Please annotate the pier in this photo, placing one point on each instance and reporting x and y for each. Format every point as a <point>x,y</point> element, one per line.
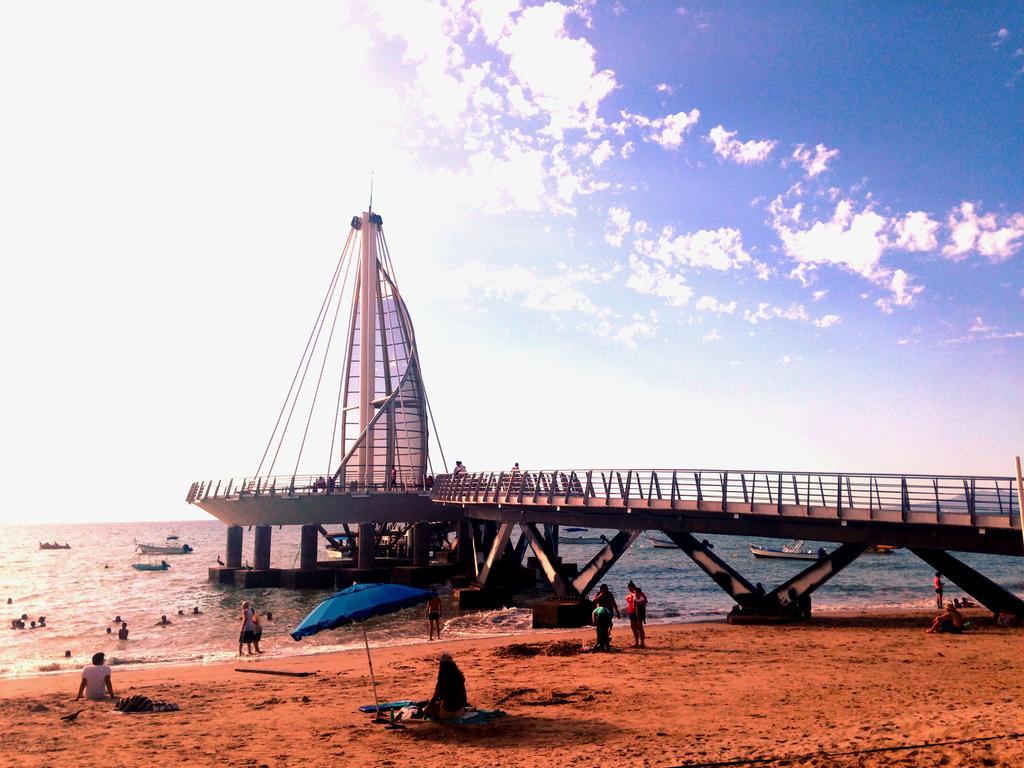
<point>493,534</point>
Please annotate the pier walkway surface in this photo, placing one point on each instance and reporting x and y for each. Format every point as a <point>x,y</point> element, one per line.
<point>967,514</point>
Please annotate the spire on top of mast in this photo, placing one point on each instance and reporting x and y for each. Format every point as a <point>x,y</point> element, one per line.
<point>371,192</point>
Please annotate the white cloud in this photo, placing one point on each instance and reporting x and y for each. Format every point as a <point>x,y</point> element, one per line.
<point>555,294</point>
<point>916,232</point>
<point>767,311</point>
<point>814,162</point>
<point>627,149</point>
<point>904,293</point>
<point>785,359</point>
<point>617,226</point>
<point>819,295</point>
<point>602,153</point>
<point>712,335</point>
<point>979,326</point>
<point>970,232</point>
<point>655,280</point>
<point>827,321</point>
<point>665,131</point>
<point>711,304</point>
<point>719,249</point>
<point>664,88</point>
<point>742,152</point>
<point>638,328</point>
<point>557,70</point>
<point>852,240</point>
<point>1000,37</point>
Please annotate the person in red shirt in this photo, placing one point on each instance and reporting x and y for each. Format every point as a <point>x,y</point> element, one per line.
<point>636,611</point>
<point>938,590</point>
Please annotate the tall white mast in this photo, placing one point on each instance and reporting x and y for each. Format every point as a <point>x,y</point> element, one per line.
<point>369,285</point>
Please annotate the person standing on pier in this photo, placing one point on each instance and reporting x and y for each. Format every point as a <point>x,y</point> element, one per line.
<point>938,590</point>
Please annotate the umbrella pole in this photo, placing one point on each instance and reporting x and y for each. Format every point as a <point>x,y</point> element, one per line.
<point>369,660</point>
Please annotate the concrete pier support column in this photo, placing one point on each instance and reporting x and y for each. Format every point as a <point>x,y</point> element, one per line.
<point>367,546</point>
<point>307,547</point>
<point>465,552</point>
<point>420,545</point>
<point>261,548</point>
<point>233,553</point>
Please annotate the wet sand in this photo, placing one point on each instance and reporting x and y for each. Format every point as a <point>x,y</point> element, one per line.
<point>700,694</point>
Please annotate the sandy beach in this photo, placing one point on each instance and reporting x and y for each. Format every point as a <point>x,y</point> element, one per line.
<point>701,694</point>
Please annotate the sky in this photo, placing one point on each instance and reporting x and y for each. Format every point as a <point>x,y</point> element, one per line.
<point>630,234</point>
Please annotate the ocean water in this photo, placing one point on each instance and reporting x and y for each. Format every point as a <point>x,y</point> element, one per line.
<point>81,590</point>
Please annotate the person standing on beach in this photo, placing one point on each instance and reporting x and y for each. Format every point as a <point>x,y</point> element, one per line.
<point>636,611</point>
<point>434,616</point>
<point>122,633</point>
<point>257,631</point>
<point>606,599</point>
<point>96,680</point>
<point>247,630</point>
<point>938,590</point>
<point>602,620</point>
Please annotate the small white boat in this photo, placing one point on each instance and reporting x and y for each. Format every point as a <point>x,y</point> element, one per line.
<point>789,552</point>
<point>659,543</point>
<point>163,565</point>
<point>580,536</point>
<point>171,547</point>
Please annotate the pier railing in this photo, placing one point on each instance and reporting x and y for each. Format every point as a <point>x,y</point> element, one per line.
<point>981,501</point>
<point>291,486</point>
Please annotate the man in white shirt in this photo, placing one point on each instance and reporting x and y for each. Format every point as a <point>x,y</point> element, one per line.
<point>96,680</point>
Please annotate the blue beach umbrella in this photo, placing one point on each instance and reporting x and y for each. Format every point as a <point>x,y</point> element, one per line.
<point>358,603</point>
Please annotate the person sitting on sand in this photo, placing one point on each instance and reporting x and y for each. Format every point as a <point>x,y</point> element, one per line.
<point>96,680</point>
<point>449,699</point>
<point>434,616</point>
<point>245,635</point>
<point>949,620</point>
<point>122,633</point>
<point>164,621</point>
<point>602,620</point>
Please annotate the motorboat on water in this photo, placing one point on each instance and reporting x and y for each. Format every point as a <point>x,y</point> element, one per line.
<point>163,565</point>
<point>580,536</point>
<point>53,545</point>
<point>659,543</point>
<point>170,547</point>
<point>881,549</point>
<point>341,546</point>
<point>790,551</point>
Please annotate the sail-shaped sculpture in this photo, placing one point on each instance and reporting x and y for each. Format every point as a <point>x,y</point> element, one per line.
<point>384,418</point>
<point>364,407</point>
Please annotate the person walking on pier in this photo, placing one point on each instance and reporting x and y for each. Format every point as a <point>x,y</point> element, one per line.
<point>246,634</point>
<point>938,590</point>
<point>434,616</point>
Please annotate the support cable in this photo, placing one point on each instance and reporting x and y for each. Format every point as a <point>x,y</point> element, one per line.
<point>323,365</point>
<point>323,305</point>
<point>305,370</point>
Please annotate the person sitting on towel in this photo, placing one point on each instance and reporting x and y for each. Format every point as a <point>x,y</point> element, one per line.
<point>449,699</point>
